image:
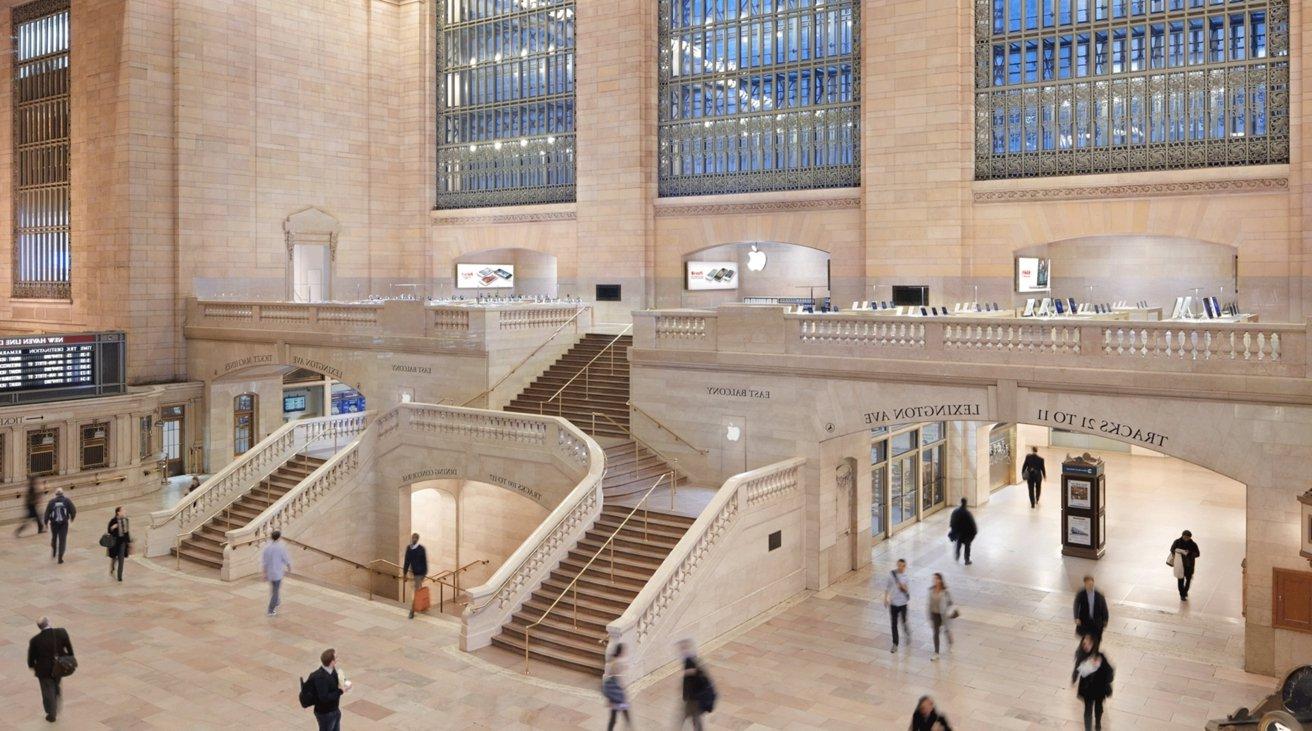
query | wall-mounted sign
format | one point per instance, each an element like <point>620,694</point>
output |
<point>485,276</point>
<point>1033,274</point>
<point>53,367</point>
<point>711,275</point>
<point>293,402</point>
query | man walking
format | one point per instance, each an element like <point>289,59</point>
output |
<point>29,504</point>
<point>1183,552</point>
<point>276,563</point>
<point>1034,472</point>
<point>327,687</point>
<point>962,526</point>
<point>416,564</point>
<point>698,690</point>
<point>59,513</point>
<point>897,594</point>
<point>1090,611</point>
<point>43,651</point>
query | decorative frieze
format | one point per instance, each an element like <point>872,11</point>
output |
<point>539,217</point>
<point>1144,190</point>
<point>719,209</point>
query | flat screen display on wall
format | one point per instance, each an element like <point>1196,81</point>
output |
<point>485,276</point>
<point>292,403</point>
<point>711,275</point>
<point>1033,274</point>
<point>37,368</point>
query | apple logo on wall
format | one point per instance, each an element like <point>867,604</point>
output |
<point>733,432</point>
<point>755,259</point>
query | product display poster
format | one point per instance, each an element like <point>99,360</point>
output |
<point>1079,530</point>
<point>1077,494</point>
<point>712,275</point>
<point>1032,274</point>
<point>485,276</point>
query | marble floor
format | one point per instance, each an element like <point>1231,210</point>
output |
<point>172,650</point>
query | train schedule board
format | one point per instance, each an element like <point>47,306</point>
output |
<point>35,368</point>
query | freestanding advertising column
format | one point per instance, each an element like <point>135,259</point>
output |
<point>1083,507</point>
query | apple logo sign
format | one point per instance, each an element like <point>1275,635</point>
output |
<point>733,433</point>
<point>755,259</point>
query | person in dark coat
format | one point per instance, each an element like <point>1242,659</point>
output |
<point>118,550</point>
<point>1083,652</point>
<point>698,691</point>
<point>1095,686</point>
<point>328,689</point>
<point>1185,551</point>
<point>30,499</point>
<point>1090,611</point>
<point>416,564</point>
<point>1034,472</point>
<point>48,644</point>
<point>927,717</point>
<point>59,513</point>
<point>962,526</point>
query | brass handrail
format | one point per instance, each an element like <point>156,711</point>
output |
<point>584,371</point>
<point>672,433</point>
<point>529,357</point>
<point>354,564</point>
<point>672,461</point>
<point>435,578</point>
<point>609,542</point>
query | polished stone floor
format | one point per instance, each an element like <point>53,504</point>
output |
<point>173,650</point>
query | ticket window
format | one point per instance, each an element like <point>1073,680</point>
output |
<point>171,432</point>
<point>94,446</point>
<point>245,422</point>
<point>43,452</point>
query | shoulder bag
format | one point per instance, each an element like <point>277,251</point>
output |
<point>64,665</point>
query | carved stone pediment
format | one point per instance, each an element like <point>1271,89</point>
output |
<point>310,226</point>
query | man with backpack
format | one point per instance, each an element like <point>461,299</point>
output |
<point>59,513</point>
<point>50,656</point>
<point>698,691</point>
<point>323,690</point>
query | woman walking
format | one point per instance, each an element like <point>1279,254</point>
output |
<point>612,686</point>
<point>1095,678</point>
<point>941,611</point>
<point>118,548</point>
<point>1183,553</point>
<point>927,718</point>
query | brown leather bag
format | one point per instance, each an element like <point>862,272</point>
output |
<point>423,600</point>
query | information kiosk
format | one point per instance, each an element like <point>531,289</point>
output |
<point>1083,507</point>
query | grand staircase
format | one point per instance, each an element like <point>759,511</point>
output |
<point>604,389</point>
<point>601,599</point>
<point>205,544</point>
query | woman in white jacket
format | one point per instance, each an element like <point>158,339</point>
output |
<point>942,611</point>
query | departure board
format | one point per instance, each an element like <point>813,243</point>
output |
<point>52,367</point>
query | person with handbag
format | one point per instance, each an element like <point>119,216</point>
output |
<point>1034,472</point>
<point>698,691</point>
<point>120,538</point>
<point>50,656</point>
<point>942,610</point>
<point>1181,560</point>
<point>1095,675</point>
<point>416,565</point>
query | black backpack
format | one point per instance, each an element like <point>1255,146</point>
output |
<point>308,697</point>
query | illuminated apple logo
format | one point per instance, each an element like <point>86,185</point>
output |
<point>755,259</point>
<point>733,433</point>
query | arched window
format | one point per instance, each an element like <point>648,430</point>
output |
<point>758,96</point>
<point>245,422</point>
<point>1066,87</point>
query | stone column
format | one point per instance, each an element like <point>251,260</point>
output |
<point>968,462</point>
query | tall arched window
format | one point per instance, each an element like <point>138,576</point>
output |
<point>758,95</point>
<point>1066,87</point>
<point>245,422</point>
<point>505,103</point>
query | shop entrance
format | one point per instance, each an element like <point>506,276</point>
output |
<point>173,435</point>
<point>907,476</point>
<point>756,272</point>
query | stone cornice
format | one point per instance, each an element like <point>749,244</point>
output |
<point>537,217</point>
<point>718,209</point>
<point>1142,190</point>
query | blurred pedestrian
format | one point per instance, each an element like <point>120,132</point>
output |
<point>60,512</point>
<point>962,530</point>
<point>121,536</point>
<point>927,717</point>
<point>612,686</point>
<point>942,611</point>
<point>698,690</point>
<point>1091,614</point>
<point>276,563</point>
<point>897,594</point>
<point>30,499</point>
<point>1095,686</point>
<point>50,656</point>
<point>1183,553</point>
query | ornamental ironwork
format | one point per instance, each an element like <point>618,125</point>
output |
<point>758,95</point>
<point>505,103</point>
<point>1067,87</point>
<point>41,203</point>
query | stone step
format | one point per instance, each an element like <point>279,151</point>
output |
<point>557,656</point>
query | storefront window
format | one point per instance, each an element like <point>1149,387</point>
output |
<point>245,422</point>
<point>931,482</point>
<point>904,442</point>
<point>43,452</point>
<point>903,478</point>
<point>879,488</point>
<point>95,446</point>
<point>932,432</point>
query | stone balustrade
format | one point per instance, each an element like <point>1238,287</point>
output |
<point>662,609</point>
<point>469,327</point>
<point>236,479</point>
<point>1208,347</point>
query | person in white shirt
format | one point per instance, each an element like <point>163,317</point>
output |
<point>276,563</point>
<point>897,594</point>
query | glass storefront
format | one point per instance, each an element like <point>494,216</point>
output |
<point>907,475</point>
